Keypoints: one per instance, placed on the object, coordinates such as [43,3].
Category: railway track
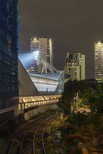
[39,136]
[43,135]
[30,138]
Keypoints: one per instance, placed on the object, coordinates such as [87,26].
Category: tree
[94,98]
[67,96]
[70,91]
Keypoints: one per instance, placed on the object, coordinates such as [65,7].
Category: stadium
[48,80]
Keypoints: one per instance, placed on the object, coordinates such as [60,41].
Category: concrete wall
[41,109]
[26,86]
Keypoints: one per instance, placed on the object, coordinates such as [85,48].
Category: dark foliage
[71,88]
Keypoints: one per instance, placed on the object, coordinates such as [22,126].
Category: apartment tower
[42,49]
[74,66]
[98,61]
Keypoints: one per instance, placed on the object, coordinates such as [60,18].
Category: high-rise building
[98,61]
[74,66]
[42,49]
[8,59]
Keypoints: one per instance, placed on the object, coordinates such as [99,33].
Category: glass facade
[48,84]
[8,58]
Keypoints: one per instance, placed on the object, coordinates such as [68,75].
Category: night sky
[74,25]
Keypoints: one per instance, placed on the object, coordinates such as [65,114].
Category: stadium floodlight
[36,54]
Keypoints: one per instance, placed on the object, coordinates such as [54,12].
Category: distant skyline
[74,25]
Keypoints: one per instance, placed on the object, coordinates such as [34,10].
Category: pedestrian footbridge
[29,103]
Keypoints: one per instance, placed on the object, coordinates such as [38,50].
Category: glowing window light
[50,50]
[34,39]
[36,54]
[99,46]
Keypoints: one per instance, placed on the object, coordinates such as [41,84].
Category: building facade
[74,66]
[42,49]
[8,59]
[98,61]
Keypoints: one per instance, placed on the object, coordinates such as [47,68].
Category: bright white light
[99,42]
[36,54]
[50,50]
[34,39]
